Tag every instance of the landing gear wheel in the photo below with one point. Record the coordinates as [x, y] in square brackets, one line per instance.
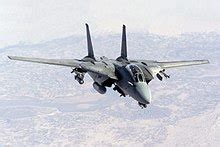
[80, 80]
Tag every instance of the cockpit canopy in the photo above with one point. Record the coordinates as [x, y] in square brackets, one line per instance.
[136, 73]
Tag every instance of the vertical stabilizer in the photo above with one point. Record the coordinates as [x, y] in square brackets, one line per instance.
[89, 43]
[123, 45]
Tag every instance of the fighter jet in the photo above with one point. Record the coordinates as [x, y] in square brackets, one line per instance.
[128, 77]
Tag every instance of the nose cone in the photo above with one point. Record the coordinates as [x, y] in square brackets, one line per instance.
[143, 93]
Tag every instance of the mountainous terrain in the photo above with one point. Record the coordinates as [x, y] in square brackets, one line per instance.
[44, 105]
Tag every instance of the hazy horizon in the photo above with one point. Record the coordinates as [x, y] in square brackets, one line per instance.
[34, 21]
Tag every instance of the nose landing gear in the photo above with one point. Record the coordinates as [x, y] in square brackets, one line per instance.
[142, 105]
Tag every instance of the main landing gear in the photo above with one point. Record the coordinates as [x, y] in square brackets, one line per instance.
[79, 75]
[142, 105]
[79, 78]
[162, 73]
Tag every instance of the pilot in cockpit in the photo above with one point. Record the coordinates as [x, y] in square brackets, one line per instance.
[136, 73]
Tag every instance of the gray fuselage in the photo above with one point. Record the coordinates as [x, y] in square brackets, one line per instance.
[132, 80]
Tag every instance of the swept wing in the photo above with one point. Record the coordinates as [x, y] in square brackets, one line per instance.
[174, 64]
[95, 67]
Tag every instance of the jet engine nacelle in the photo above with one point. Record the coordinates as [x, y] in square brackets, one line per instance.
[99, 88]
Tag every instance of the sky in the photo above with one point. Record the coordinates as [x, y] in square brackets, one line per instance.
[29, 21]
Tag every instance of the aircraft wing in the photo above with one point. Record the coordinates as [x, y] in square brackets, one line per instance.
[61, 62]
[87, 66]
[155, 67]
[174, 64]
[100, 68]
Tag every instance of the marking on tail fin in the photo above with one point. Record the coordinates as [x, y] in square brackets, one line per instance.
[89, 43]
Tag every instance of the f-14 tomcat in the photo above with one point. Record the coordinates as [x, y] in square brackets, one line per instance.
[129, 77]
